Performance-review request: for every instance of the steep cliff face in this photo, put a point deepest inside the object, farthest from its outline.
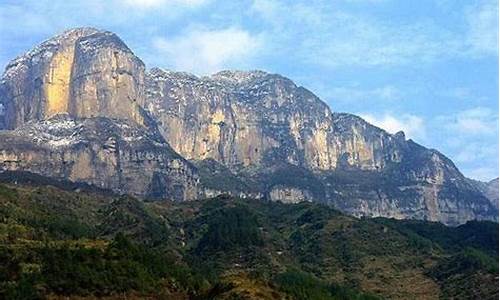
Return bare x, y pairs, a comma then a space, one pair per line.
491, 192
107, 79
80, 106
111, 154
74, 104
488, 189
425, 185
244, 119
84, 72
283, 139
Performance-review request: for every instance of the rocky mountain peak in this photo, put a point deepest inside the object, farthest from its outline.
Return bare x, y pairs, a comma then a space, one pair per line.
46, 49
238, 77
102, 39
81, 106
400, 135
77, 32
160, 74
84, 72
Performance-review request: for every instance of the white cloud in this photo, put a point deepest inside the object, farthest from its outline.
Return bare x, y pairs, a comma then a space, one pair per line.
349, 94
205, 51
364, 42
475, 121
471, 138
147, 4
474, 152
482, 34
413, 126
343, 38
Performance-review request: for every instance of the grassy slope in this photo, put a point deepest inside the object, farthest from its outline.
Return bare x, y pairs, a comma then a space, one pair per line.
61, 243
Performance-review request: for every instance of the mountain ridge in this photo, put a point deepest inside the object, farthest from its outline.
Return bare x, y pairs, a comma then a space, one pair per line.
261, 127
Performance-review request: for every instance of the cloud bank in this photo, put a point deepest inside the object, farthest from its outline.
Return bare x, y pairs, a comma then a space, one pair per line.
203, 51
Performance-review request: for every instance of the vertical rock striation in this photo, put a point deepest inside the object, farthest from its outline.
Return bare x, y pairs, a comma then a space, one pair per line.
84, 72
284, 139
107, 79
75, 104
244, 119
81, 106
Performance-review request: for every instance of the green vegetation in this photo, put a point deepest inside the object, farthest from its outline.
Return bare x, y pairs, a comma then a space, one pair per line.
83, 269
229, 229
56, 243
305, 286
216, 176
478, 235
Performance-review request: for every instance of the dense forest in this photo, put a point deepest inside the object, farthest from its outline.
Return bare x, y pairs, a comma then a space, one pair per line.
57, 243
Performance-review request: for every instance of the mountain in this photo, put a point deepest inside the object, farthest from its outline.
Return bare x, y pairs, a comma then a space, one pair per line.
285, 140
489, 189
63, 244
110, 154
75, 104
84, 72
81, 106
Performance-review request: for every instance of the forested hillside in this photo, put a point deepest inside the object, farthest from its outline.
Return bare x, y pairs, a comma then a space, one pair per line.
56, 243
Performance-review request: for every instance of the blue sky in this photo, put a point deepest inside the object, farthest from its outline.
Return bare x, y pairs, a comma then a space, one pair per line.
427, 67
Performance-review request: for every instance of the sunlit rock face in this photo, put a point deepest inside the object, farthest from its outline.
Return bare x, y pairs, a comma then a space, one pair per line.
244, 119
107, 79
84, 72
117, 155
57, 87
81, 107
37, 84
265, 129
286, 194
74, 105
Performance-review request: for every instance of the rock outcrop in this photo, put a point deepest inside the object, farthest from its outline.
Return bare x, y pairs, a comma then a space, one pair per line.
244, 119
81, 107
83, 72
289, 194
489, 189
285, 140
74, 104
116, 155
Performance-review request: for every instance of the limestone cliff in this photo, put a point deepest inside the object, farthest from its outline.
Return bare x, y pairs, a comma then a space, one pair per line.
246, 119
489, 189
117, 155
84, 72
283, 139
74, 105
80, 106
